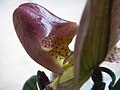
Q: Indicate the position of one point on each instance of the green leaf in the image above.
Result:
(92, 39)
(30, 84)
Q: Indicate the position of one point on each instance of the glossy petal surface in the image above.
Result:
(44, 36)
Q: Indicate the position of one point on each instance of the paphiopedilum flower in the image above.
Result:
(44, 36)
(97, 36)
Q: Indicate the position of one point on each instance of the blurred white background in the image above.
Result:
(15, 64)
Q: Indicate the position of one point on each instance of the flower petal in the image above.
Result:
(92, 39)
(44, 36)
(114, 55)
(115, 27)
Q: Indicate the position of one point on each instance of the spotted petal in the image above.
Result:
(44, 36)
(114, 55)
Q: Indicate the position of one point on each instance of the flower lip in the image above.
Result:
(44, 36)
(38, 17)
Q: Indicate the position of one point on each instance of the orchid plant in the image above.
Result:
(46, 37)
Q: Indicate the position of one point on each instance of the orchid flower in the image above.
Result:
(44, 36)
